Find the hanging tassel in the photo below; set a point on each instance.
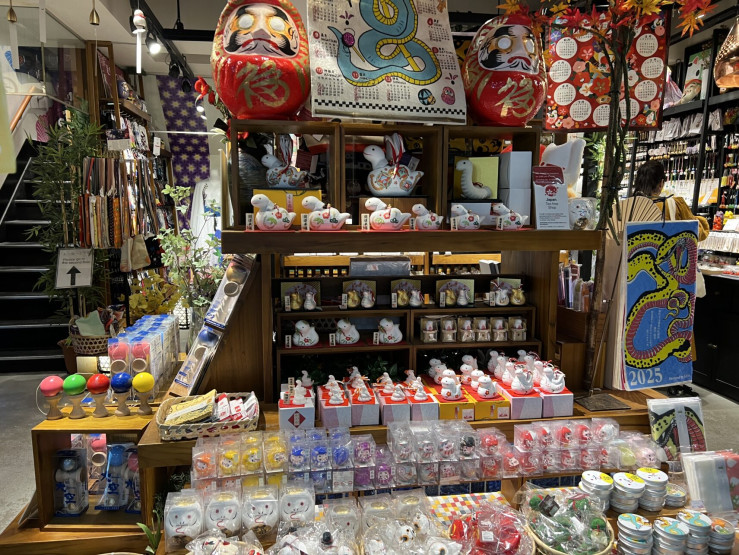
(139, 22)
(13, 19)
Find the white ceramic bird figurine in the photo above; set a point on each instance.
(509, 373)
(346, 332)
(385, 179)
(553, 380)
(384, 217)
(280, 175)
(486, 387)
(305, 335)
(463, 219)
(471, 190)
(323, 217)
(389, 331)
(508, 218)
(270, 216)
(425, 219)
(529, 360)
(523, 381)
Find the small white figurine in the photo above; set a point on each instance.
(410, 377)
(463, 300)
(475, 376)
(280, 175)
(553, 380)
(501, 297)
(368, 299)
(307, 381)
(224, 513)
(305, 335)
(470, 360)
(440, 369)
(297, 505)
(357, 382)
(398, 394)
(433, 364)
(451, 389)
(416, 299)
(389, 332)
(529, 360)
(353, 373)
(346, 332)
(509, 373)
(337, 397)
(384, 217)
(523, 381)
(388, 179)
(323, 217)
(388, 388)
(270, 216)
(420, 394)
(299, 393)
(464, 220)
(184, 519)
(310, 301)
(331, 382)
(470, 189)
(493, 361)
(509, 220)
(385, 379)
(521, 355)
(364, 395)
(418, 384)
(486, 387)
(500, 368)
(538, 372)
(425, 219)
(466, 370)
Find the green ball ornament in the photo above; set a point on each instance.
(74, 384)
(597, 524)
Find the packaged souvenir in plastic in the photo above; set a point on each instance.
(299, 456)
(428, 473)
(229, 457)
(405, 473)
(590, 458)
(564, 435)
(363, 447)
(545, 434)
(204, 461)
(425, 445)
(260, 509)
(297, 504)
(529, 462)
(384, 468)
(132, 482)
(400, 441)
(450, 472)
(376, 509)
(582, 432)
(223, 512)
(70, 490)
(550, 461)
(183, 519)
(491, 466)
(343, 514)
(115, 495)
(252, 454)
(677, 425)
(604, 429)
(569, 459)
(490, 441)
(525, 437)
(510, 465)
(320, 454)
(275, 453)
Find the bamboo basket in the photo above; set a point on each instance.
(544, 548)
(176, 432)
(84, 345)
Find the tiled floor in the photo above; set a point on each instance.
(19, 415)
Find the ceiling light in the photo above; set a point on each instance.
(186, 85)
(178, 25)
(153, 45)
(203, 116)
(199, 106)
(174, 70)
(94, 16)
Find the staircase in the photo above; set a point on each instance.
(29, 327)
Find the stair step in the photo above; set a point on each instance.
(28, 222)
(20, 245)
(40, 354)
(22, 295)
(36, 323)
(25, 269)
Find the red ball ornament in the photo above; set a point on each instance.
(98, 383)
(260, 59)
(503, 73)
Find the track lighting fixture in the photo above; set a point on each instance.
(199, 105)
(186, 85)
(153, 45)
(174, 69)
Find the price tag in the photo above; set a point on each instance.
(365, 222)
(332, 339)
(156, 147)
(250, 222)
(288, 342)
(442, 299)
(376, 338)
(304, 223)
(454, 226)
(394, 300)
(491, 298)
(412, 223)
(286, 302)
(344, 299)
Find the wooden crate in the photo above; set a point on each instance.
(569, 355)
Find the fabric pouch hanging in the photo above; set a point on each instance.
(139, 255)
(126, 255)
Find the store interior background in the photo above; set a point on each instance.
(68, 26)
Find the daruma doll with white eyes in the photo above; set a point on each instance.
(224, 513)
(260, 59)
(503, 73)
(297, 505)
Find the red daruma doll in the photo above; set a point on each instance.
(503, 72)
(260, 59)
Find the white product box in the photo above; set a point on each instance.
(333, 416)
(518, 200)
(523, 407)
(555, 405)
(293, 417)
(514, 171)
(424, 410)
(365, 413)
(394, 411)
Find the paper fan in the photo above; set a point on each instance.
(634, 209)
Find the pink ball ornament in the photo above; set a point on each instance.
(51, 385)
(118, 351)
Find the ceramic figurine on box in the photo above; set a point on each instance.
(503, 72)
(509, 373)
(464, 220)
(353, 298)
(500, 367)
(523, 381)
(492, 361)
(465, 332)
(390, 178)
(398, 393)
(346, 332)
(553, 380)
(466, 370)
(270, 216)
(299, 393)
(448, 329)
(500, 330)
(368, 299)
(260, 59)
(323, 217)
(280, 175)
(310, 301)
(416, 299)
(451, 390)
(475, 376)
(337, 397)
(385, 217)
(425, 219)
(470, 189)
(389, 332)
(434, 364)
(410, 377)
(486, 387)
(507, 218)
(305, 335)
(518, 298)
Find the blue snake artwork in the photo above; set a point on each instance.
(391, 46)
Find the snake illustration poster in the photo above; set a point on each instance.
(660, 262)
(384, 59)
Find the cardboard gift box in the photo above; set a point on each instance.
(364, 413)
(522, 406)
(424, 410)
(497, 408)
(310, 392)
(514, 171)
(462, 409)
(293, 417)
(429, 382)
(518, 200)
(333, 416)
(556, 404)
(394, 411)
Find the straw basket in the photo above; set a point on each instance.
(175, 432)
(88, 345)
(544, 548)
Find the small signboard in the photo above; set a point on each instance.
(74, 268)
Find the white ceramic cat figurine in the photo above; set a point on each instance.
(466, 370)
(553, 380)
(450, 389)
(346, 332)
(389, 332)
(305, 335)
(486, 387)
(475, 376)
(523, 381)
(470, 360)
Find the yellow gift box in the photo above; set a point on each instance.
(463, 409)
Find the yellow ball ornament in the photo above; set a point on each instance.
(143, 382)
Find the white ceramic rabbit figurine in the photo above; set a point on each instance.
(305, 335)
(523, 381)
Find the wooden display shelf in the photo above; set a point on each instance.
(134, 423)
(477, 308)
(129, 108)
(382, 311)
(334, 260)
(363, 345)
(473, 344)
(94, 519)
(275, 242)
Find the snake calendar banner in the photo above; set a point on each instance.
(660, 261)
(384, 59)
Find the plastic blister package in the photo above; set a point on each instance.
(525, 437)
(70, 491)
(222, 512)
(376, 509)
(117, 490)
(493, 529)
(297, 504)
(343, 514)
(260, 509)
(677, 425)
(490, 441)
(183, 518)
(604, 429)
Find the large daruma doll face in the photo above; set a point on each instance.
(503, 72)
(260, 59)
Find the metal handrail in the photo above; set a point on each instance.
(11, 200)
